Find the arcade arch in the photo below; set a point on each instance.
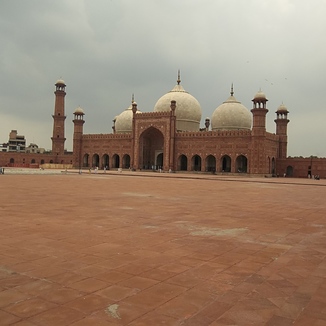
(151, 144)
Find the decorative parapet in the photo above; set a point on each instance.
(153, 115)
(107, 136)
(214, 134)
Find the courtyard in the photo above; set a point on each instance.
(137, 249)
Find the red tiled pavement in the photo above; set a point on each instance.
(173, 249)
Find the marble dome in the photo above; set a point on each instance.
(282, 109)
(123, 122)
(188, 111)
(60, 82)
(260, 96)
(231, 114)
(79, 111)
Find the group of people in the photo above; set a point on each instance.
(316, 176)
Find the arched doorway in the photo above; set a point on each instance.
(183, 163)
(226, 163)
(273, 166)
(289, 171)
(105, 161)
(95, 160)
(86, 160)
(241, 164)
(126, 161)
(116, 161)
(210, 163)
(12, 161)
(151, 144)
(196, 163)
(33, 161)
(42, 161)
(159, 161)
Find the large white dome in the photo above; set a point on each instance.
(123, 122)
(188, 110)
(231, 114)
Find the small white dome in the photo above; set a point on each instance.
(260, 96)
(79, 111)
(188, 110)
(60, 82)
(231, 114)
(282, 109)
(123, 122)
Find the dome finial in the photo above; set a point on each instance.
(179, 80)
(232, 90)
(132, 98)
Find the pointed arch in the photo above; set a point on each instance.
(241, 164)
(151, 144)
(226, 163)
(126, 161)
(86, 160)
(196, 163)
(210, 163)
(95, 160)
(183, 163)
(115, 161)
(105, 161)
(289, 171)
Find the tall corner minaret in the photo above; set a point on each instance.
(78, 136)
(282, 129)
(58, 136)
(259, 112)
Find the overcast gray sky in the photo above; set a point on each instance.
(106, 50)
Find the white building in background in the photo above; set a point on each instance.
(16, 143)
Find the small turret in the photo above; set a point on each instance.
(259, 112)
(281, 129)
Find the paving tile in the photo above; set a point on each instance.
(158, 274)
(57, 316)
(11, 296)
(279, 321)
(117, 292)
(88, 285)
(14, 280)
(186, 304)
(89, 304)
(66, 278)
(113, 276)
(154, 318)
(37, 287)
(29, 307)
(61, 295)
(8, 318)
(24, 323)
(138, 282)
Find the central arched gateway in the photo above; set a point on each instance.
(151, 144)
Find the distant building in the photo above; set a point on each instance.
(16, 143)
(4, 147)
(33, 148)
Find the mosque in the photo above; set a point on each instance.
(169, 139)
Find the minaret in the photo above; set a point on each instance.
(281, 129)
(258, 162)
(259, 112)
(78, 136)
(134, 141)
(58, 136)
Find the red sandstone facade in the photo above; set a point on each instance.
(154, 143)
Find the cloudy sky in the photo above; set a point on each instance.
(106, 50)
